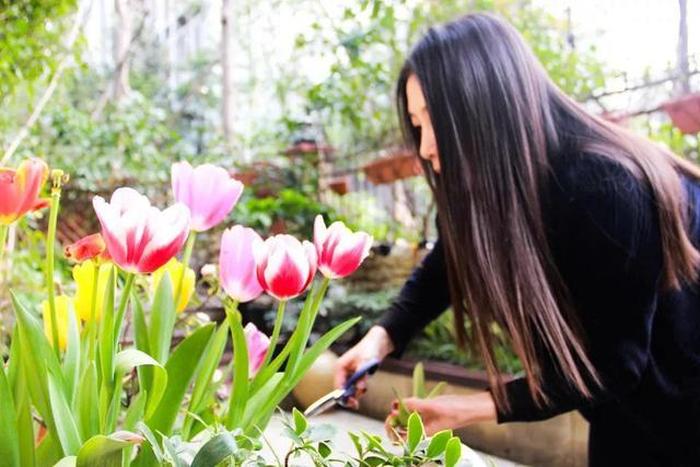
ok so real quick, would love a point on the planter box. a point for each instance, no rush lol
(560, 441)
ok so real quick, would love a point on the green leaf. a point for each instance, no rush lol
(437, 390)
(203, 387)
(9, 440)
(134, 415)
(415, 432)
(66, 428)
(305, 363)
(68, 461)
(141, 341)
(181, 367)
(356, 442)
(438, 443)
(257, 402)
(239, 392)
(453, 451)
(106, 335)
(128, 359)
(33, 344)
(300, 422)
(106, 451)
(152, 441)
(86, 401)
(324, 450)
(160, 331)
(25, 422)
(216, 450)
(419, 381)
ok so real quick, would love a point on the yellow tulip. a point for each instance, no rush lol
(174, 269)
(63, 304)
(83, 274)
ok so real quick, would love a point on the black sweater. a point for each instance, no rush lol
(603, 231)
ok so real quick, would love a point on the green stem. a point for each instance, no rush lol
(186, 255)
(3, 240)
(50, 253)
(124, 299)
(275, 332)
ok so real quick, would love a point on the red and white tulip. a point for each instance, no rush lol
(141, 238)
(285, 266)
(340, 251)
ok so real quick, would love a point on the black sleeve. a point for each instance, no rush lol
(608, 250)
(424, 296)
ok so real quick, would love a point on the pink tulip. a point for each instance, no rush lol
(340, 251)
(285, 266)
(20, 188)
(208, 191)
(139, 237)
(258, 344)
(237, 264)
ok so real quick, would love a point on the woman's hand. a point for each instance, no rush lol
(446, 412)
(375, 344)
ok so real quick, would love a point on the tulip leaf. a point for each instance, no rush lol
(68, 461)
(203, 386)
(181, 367)
(257, 401)
(239, 392)
(141, 340)
(128, 359)
(106, 343)
(216, 450)
(71, 359)
(290, 381)
(9, 440)
(66, 428)
(38, 360)
(106, 451)
(160, 330)
(134, 414)
(86, 401)
(25, 422)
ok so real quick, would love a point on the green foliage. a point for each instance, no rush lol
(290, 206)
(369, 42)
(31, 40)
(437, 342)
(315, 443)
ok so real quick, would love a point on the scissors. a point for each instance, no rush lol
(340, 396)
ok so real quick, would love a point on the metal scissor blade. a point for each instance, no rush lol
(324, 403)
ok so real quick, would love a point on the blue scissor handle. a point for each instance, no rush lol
(367, 369)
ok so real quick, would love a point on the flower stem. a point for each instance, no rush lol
(275, 332)
(126, 292)
(186, 255)
(3, 240)
(50, 254)
(92, 324)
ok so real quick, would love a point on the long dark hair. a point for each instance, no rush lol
(497, 118)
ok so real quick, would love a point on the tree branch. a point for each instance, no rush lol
(81, 16)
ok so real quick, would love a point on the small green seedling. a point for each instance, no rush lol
(419, 390)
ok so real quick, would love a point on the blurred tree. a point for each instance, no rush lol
(31, 40)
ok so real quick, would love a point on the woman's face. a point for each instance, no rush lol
(418, 111)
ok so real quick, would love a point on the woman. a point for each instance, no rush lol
(575, 237)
